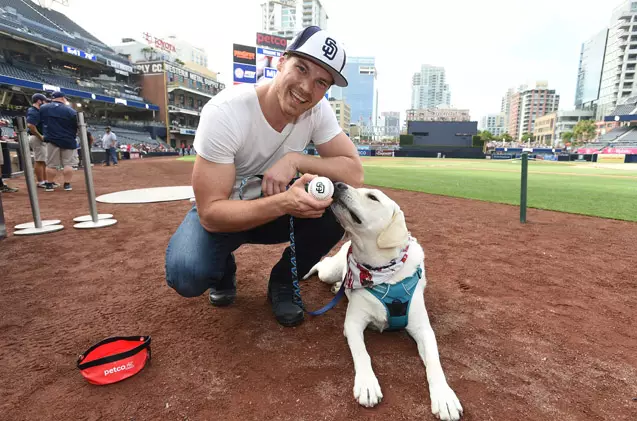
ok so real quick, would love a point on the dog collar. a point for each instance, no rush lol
(363, 276)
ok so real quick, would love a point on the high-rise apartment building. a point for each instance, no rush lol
(391, 122)
(529, 104)
(286, 18)
(620, 59)
(429, 88)
(494, 123)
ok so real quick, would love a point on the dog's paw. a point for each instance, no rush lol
(336, 287)
(445, 404)
(367, 390)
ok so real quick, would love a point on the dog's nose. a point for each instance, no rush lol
(340, 186)
(339, 189)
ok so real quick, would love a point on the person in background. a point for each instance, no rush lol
(59, 123)
(90, 139)
(3, 187)
(109, 141)
(34, 127)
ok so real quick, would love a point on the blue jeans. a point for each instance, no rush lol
(196, 259)
(111, 153)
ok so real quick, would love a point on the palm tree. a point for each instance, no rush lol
(149, 53)
(584, 131)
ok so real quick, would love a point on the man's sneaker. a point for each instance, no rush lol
(42, 185)
(7, 189)
(49, 187)
(67, 187)
(281, 296)
(55, 185)
(224, 293)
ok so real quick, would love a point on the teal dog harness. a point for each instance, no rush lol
(397, 298)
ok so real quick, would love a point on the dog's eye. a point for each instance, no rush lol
(374, 198)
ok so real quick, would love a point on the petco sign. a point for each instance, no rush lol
(271, 41)
(113, 370)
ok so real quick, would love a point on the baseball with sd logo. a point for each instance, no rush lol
(321, 188)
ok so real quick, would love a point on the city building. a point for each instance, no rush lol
(343, 113)
(529, 104)
(589, 74)
(361, 93)
(620, 59)
(429, 88)
(286, 18)
(148, 47)
(495, 124)
(391, 122)
(549, 128)
(438, 114)
(180, 93)
(505, 107)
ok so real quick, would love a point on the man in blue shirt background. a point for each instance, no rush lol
(59, 123)
(35, 137)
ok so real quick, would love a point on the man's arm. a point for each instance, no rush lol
(213, 183)
(339, 162)
(34, 130)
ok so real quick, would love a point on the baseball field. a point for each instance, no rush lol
(533, 321)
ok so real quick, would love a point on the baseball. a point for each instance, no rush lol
(321, 188)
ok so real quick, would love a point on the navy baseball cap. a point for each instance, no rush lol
(58, 94)
(319, 46)
(39, 97)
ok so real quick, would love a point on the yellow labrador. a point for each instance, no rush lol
(382, 270)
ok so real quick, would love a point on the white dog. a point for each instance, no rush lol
(379, 255)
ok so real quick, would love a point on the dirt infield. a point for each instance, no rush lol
(534, 322)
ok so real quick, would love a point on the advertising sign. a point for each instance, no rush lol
(79, 53)
(384, 152)
(244, 54)
(267, 61)
(118, 65)
(271, 41)
(244, 73)
(611, 158)
(159, 43)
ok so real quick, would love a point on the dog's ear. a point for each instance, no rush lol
(395, 234)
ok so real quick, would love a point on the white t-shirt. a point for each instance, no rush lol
(109, 140)
(232, 129)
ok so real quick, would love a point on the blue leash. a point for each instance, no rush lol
(295, 275)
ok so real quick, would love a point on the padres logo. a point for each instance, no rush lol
(320, 188)
(329, 48)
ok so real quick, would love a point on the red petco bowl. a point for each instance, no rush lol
(114, 359)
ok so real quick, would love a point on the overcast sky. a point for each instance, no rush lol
(486, 46)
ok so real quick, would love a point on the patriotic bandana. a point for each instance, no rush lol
(363, 276)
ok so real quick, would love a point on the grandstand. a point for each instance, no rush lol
(45, 51)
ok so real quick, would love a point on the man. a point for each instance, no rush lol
(59, 124)
(35, 137)
(3, 187)
(109, 141)
(249, 130)
(90, 140)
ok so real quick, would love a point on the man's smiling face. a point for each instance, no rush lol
(300, 84)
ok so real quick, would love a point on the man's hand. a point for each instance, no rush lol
(300, 203)
(277, 177)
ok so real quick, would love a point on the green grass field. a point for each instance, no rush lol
(581, 188)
